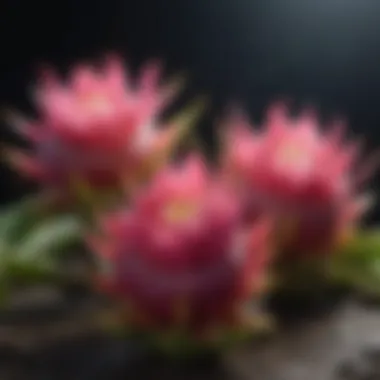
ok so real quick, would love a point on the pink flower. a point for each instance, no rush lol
(307, 179)
(180, 255)
(98, 127)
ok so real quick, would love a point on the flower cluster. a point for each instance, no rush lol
(99, 128)
(180, 254)
(308, 179)
(195, 242)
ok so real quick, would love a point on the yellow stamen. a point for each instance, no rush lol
(95, 102)
(177, 212)
(292, 154)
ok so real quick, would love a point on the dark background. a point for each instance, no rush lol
(324, 52)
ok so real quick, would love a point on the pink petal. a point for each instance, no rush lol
(148, 90)
(258, 253)
(367, 169)
(48, 78)
(149, 79)
(335, 134)
(195, 170)
(277, 120)
(25, 163)
(24, 127)
(359, 207)
(350, 155)
(116, 74)
(115, 224)
(101, 246)
(84, 80)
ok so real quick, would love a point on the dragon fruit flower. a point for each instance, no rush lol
(179, 257)
(99, 127)
(308, 180)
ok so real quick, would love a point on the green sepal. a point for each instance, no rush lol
(185, 122)
(301, 275)
(19, 217)
(31, 240)
(50, 236)
(356, 264)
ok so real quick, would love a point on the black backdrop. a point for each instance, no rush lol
(325, 52)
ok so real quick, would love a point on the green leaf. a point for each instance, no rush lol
(357, 263)
(4, 290)
(49, 237)
(185, 122)
(30, 239)
(18, 218)
(5, 254)
(29, 272)
(10, 218)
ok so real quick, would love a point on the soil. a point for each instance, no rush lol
(46, 335)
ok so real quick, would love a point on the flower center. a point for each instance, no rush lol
(95, 103)
(292, 153)
(294, 157)
(179, 211)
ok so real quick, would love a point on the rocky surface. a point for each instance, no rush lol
(342, 345)
(64, 342)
